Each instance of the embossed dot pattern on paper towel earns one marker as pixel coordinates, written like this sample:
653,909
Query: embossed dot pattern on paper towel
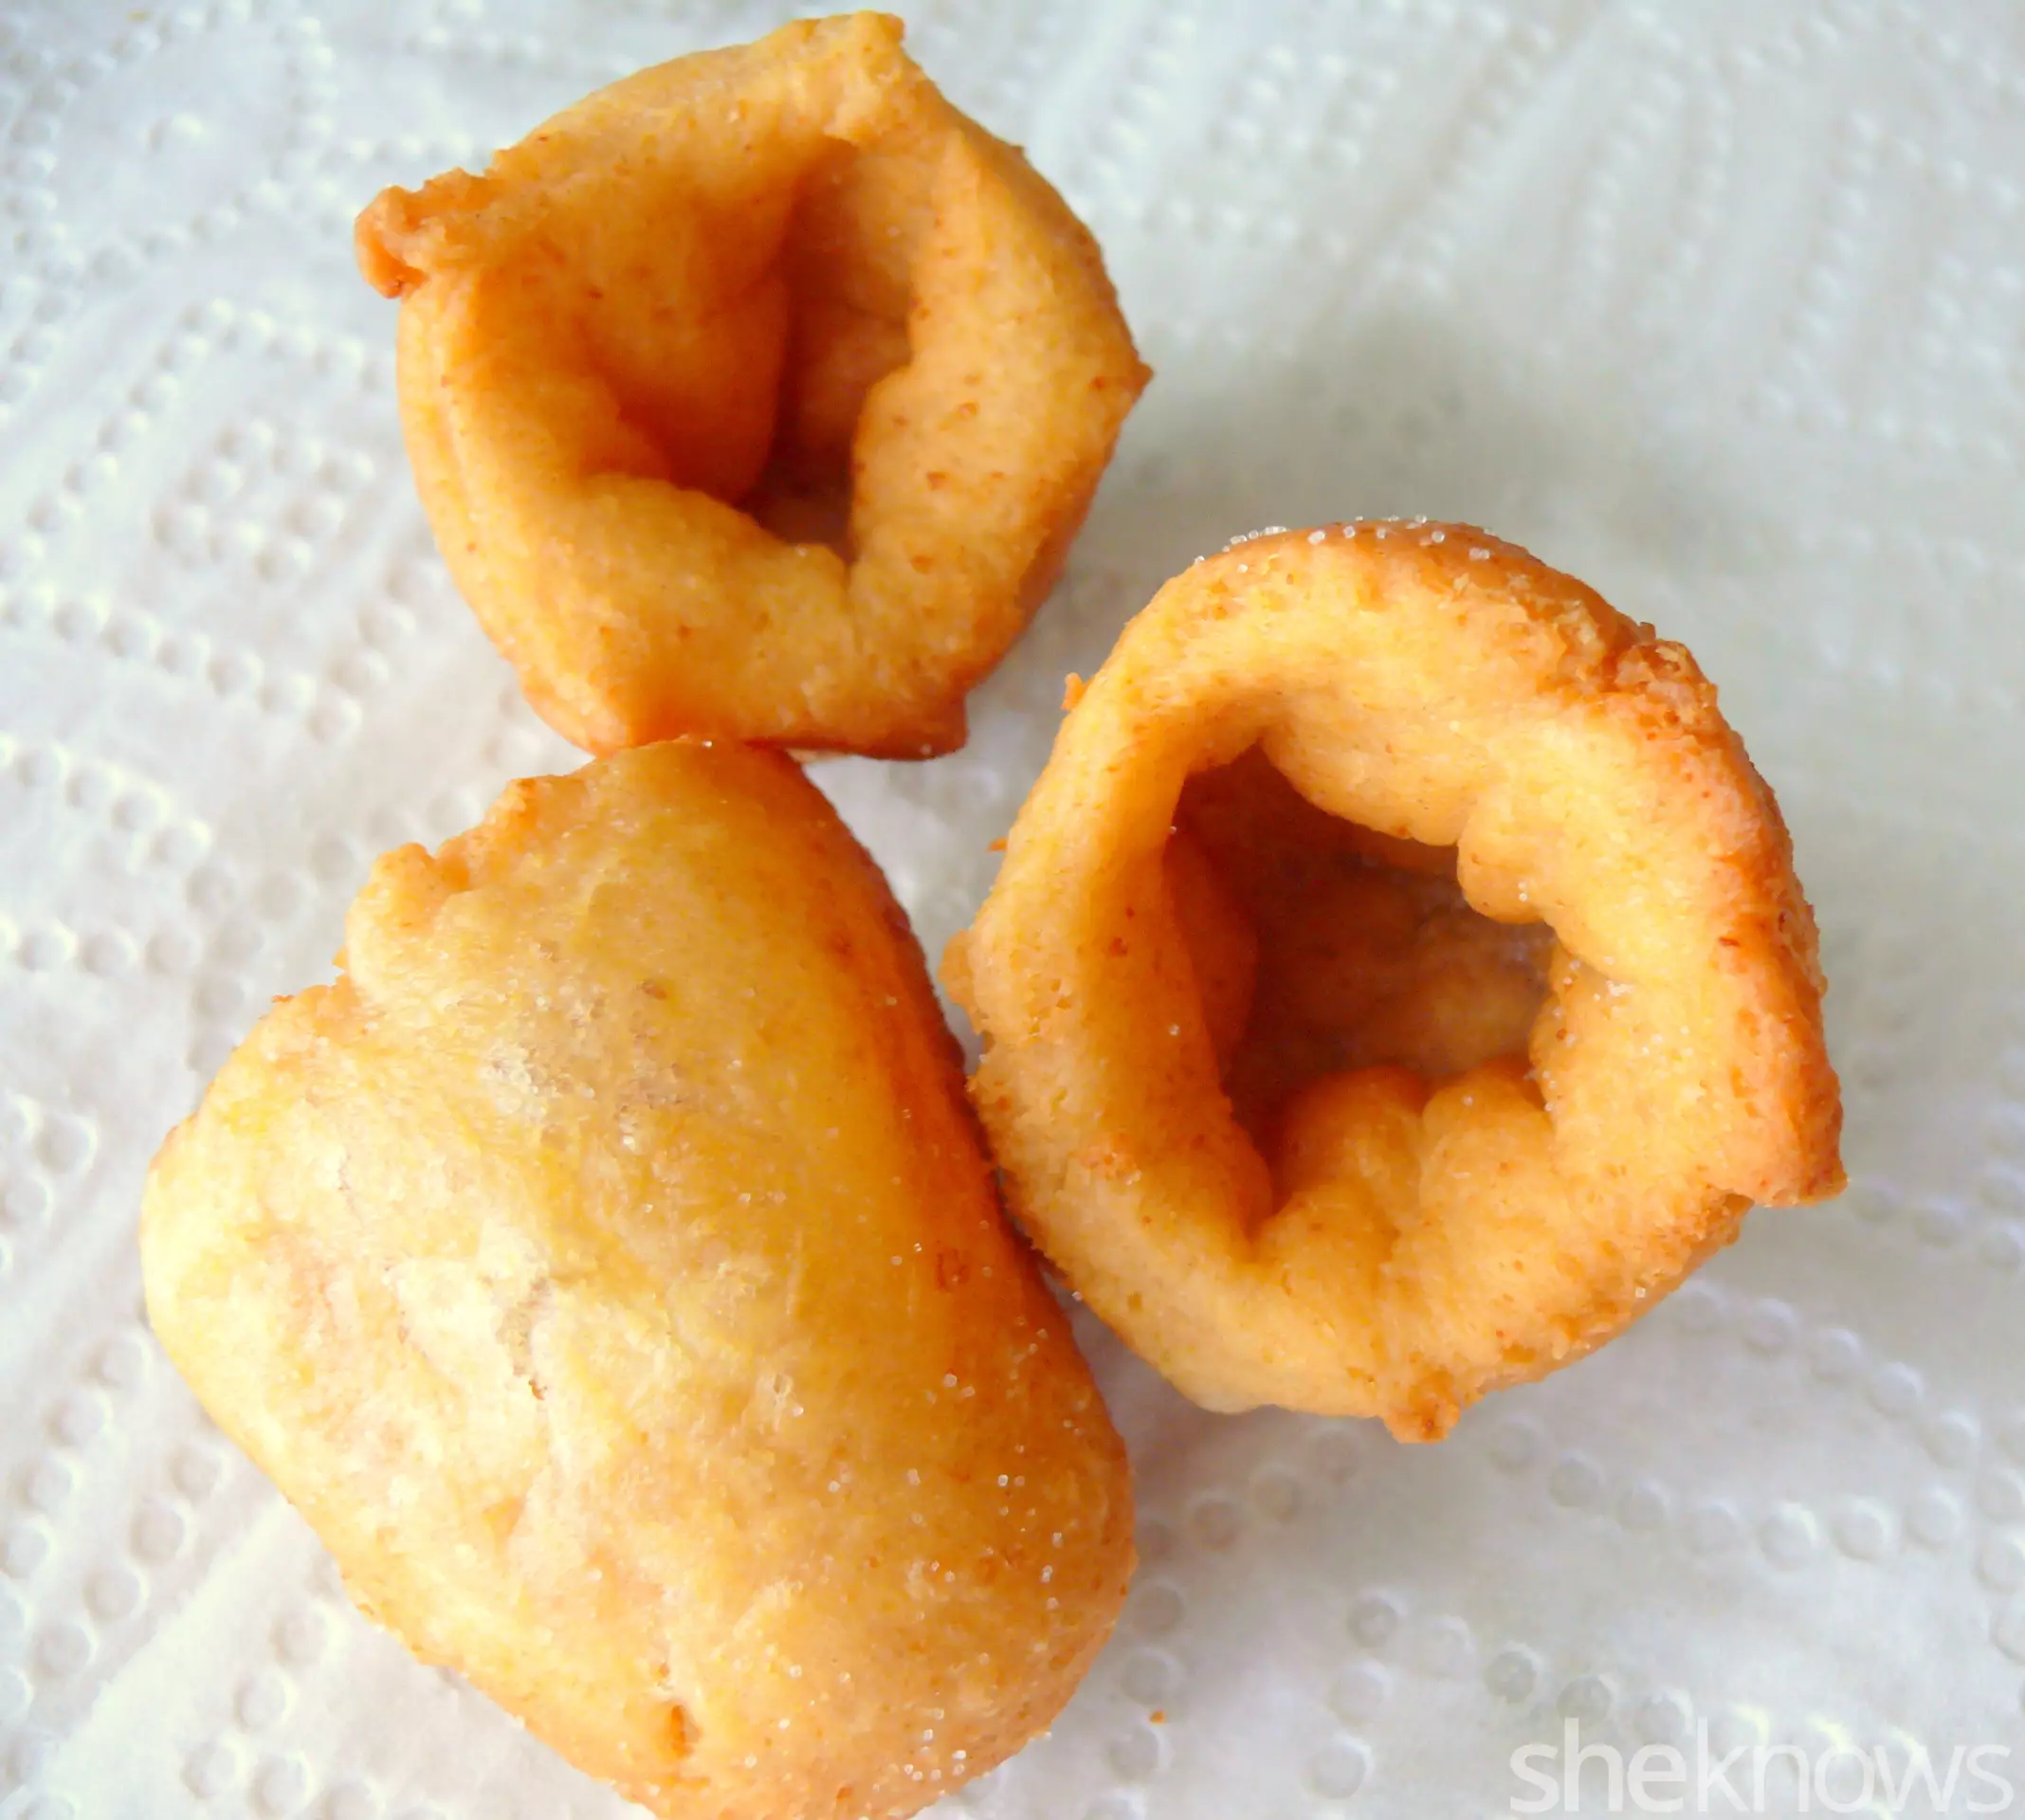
1721,309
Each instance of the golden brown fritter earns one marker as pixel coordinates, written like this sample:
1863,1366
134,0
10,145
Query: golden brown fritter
759,394
1531,1008
606,1264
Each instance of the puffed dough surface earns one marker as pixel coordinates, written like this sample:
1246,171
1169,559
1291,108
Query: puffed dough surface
1424,1222
758,394
607,1266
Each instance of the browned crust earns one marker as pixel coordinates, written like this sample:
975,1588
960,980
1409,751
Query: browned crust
607,1267
635,602
1434,683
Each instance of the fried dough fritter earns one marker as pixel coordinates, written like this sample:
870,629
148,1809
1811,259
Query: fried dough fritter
759,394
608,1268
1399,1185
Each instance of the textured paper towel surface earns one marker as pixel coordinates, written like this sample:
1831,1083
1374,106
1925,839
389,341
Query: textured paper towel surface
1720,306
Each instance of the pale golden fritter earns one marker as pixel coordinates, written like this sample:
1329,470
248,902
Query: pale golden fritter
759,394
1525,995
606,1264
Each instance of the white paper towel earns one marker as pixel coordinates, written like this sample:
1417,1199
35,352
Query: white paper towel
1720,306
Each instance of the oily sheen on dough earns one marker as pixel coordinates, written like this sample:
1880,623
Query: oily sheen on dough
606,1264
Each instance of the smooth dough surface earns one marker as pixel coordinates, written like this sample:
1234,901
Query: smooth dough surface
1428,1063
759,394
606,1264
